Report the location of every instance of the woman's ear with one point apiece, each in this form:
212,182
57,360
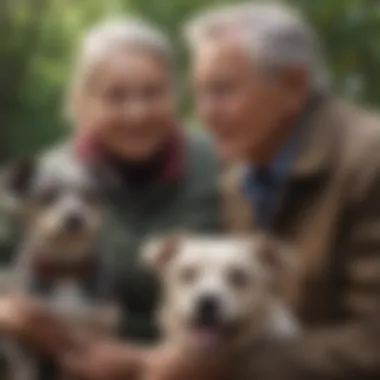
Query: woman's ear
157,253
17,177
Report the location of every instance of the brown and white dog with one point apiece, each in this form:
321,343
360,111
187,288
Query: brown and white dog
60,260
221,294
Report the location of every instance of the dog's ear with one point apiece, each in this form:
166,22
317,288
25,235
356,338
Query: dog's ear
157,253
276,255
17,177
278,258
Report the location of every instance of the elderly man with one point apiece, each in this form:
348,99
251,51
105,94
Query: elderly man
309,173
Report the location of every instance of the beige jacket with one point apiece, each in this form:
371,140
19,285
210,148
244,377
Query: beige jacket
330,211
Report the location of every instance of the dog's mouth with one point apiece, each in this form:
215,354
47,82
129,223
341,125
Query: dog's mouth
213,333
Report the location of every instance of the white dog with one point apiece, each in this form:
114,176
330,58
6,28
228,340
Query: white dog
221,294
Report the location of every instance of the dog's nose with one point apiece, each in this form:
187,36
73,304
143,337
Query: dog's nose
208,310
74,222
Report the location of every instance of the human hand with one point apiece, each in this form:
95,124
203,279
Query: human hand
103,360
169,364
115,361
31,322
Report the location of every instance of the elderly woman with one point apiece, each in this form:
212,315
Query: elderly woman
123,104
161,176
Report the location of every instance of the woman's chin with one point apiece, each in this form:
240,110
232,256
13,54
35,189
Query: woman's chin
137,152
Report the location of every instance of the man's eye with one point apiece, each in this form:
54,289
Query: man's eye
221,88
152,92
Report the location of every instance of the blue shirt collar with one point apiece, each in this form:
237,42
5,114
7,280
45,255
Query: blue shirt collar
280,167
261,185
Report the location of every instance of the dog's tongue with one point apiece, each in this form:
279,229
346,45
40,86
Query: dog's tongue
207,337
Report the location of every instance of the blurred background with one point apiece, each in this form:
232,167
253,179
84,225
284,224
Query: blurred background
38,39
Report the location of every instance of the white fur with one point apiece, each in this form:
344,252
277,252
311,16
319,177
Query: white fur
252,306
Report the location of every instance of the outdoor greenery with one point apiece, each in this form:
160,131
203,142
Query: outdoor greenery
38,38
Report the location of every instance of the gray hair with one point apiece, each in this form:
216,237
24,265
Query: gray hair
112,36
275,33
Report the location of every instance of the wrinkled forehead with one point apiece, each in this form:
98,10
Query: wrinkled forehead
67,175
217,254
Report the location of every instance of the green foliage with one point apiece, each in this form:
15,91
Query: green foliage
38,37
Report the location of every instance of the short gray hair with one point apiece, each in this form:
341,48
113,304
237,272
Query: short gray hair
275,33
100,42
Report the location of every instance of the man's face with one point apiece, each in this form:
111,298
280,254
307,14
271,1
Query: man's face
236,101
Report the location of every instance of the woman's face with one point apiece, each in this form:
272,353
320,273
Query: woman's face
129,104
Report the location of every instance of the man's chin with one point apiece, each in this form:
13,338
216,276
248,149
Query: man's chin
231,153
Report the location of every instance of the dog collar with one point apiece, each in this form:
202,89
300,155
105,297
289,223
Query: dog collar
50,269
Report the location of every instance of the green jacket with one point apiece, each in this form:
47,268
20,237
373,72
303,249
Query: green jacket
190,201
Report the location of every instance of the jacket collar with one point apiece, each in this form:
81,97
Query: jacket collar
308,150
317,140
90,151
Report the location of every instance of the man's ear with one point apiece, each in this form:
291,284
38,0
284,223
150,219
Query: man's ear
157,253
17,177
278,259
296,85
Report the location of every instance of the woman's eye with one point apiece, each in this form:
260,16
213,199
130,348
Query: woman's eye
116,95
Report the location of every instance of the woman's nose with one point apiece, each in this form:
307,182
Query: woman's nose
137,111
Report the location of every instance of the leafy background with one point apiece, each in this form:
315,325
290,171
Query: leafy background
38,37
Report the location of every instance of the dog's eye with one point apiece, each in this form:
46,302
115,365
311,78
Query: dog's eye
92,196
47,197
187,275
238,278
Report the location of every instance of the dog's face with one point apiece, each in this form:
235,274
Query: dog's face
215,290
62,206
